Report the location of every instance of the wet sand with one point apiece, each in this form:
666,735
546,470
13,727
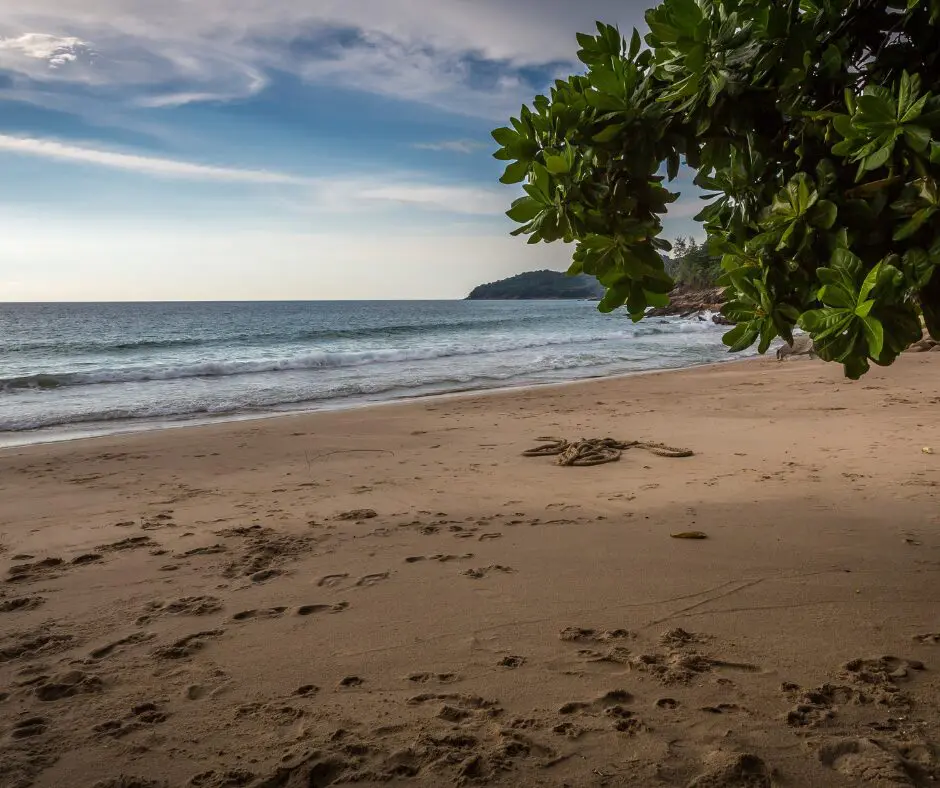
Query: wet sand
394,593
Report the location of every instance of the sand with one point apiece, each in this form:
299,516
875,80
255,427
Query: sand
394,593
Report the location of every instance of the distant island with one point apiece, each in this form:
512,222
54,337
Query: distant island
539,285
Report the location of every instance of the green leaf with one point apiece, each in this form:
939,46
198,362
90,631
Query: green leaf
767,335
515,173
878,158
911,226
556,165
742,336
917,137
869,284
832,60
614,298
610,133
877,109
843,124
874,334
823,214
505,136
838,296
656,299
525,209
635,44
864,309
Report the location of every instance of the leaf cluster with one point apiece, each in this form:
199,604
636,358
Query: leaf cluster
813,127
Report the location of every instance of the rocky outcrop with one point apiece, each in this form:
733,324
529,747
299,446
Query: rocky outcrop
685,301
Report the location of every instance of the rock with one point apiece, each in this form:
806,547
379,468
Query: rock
685,302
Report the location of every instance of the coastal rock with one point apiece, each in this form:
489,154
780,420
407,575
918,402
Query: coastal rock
685,302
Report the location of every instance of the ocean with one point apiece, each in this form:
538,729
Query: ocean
69,370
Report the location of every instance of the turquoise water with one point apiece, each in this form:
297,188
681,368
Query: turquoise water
99,368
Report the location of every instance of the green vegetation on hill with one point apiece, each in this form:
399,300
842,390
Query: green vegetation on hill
539,284
692,265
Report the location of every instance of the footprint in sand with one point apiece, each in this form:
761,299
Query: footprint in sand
21,603
371,580
213,549
187,646
131,543
270,612
185,606
724,770
457,707
477,574
34,643
264,575
424,678
26,729
309,610
444,559
610,705
142,716
357,515
67,685
332,581
568,729
130,640
86,558
580,634
36,570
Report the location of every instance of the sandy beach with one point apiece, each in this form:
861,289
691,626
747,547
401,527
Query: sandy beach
395,593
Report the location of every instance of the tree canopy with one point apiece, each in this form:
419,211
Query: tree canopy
814,128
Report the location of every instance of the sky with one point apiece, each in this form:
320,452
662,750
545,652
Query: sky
272,149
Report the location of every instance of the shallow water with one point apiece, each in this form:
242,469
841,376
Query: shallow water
110,367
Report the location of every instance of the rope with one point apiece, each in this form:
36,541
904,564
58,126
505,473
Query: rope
596,451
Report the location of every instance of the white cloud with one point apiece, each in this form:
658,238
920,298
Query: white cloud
451,146
55,51
459,199
217,49
146,165
330,193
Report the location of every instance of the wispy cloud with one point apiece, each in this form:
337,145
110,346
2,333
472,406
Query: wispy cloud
476,58
457,199
146,165
329,193
55,51
451,146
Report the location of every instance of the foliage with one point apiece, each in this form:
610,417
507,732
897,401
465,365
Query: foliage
813,124
693,265
539,284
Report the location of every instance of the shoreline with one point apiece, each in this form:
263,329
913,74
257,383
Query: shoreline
360,596
66,433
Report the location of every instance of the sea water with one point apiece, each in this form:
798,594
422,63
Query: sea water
82,369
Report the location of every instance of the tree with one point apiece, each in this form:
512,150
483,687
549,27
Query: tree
814,125
692,264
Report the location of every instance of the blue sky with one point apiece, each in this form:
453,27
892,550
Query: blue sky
230,149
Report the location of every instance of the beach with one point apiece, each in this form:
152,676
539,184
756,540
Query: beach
393,592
